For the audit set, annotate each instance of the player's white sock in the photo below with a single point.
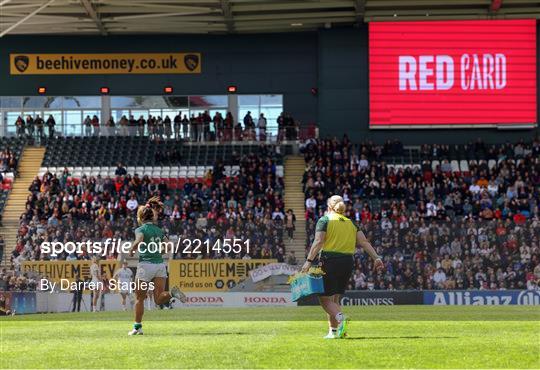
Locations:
(332, 331)
(340, 317)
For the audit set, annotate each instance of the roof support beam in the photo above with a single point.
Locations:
(24, 19)
(359, 9)
(4, 2)
(93, 14)
(227, 14)
(152, 15)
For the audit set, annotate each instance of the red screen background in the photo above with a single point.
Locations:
(513, 104)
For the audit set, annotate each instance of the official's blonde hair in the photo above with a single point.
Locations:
(335, 203)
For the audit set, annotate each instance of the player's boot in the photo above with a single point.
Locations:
(176, 293)
(342, 328)
(136, 332)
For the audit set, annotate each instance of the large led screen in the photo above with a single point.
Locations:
(444, 73)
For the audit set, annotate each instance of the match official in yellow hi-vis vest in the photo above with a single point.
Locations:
(336, 238)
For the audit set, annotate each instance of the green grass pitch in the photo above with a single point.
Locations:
(379, 337)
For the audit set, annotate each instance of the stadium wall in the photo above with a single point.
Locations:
(264, 64)
(435, 297)
(38, 302)
(335, 61)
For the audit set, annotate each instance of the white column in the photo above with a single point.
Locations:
(105, 113)
(233, 107)
(3, 123)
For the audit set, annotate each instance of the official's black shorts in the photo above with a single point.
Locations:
(338, 271)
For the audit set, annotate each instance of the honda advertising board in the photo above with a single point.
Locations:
(237, 299)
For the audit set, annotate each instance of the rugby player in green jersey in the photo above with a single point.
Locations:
(151, 270)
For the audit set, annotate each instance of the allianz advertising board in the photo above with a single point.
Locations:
(482, 297)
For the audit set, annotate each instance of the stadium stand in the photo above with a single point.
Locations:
(10, 152)
(10, 280)
(443, 217)
(28, 163)
(142, 151)
(5, 187)
(420, 205)
(206, 202)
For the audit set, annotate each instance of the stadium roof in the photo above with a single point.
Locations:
(110, 17)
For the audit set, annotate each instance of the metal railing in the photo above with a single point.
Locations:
(189, 133)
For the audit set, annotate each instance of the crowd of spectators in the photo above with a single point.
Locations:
(248, 206)
(197, 127)
(8, 166)
(33, 127)
(436, 229)
(8, 161)
(479, 150)
(10, 280)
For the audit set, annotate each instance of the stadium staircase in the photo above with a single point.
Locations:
(29, 165)
(294, 199)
